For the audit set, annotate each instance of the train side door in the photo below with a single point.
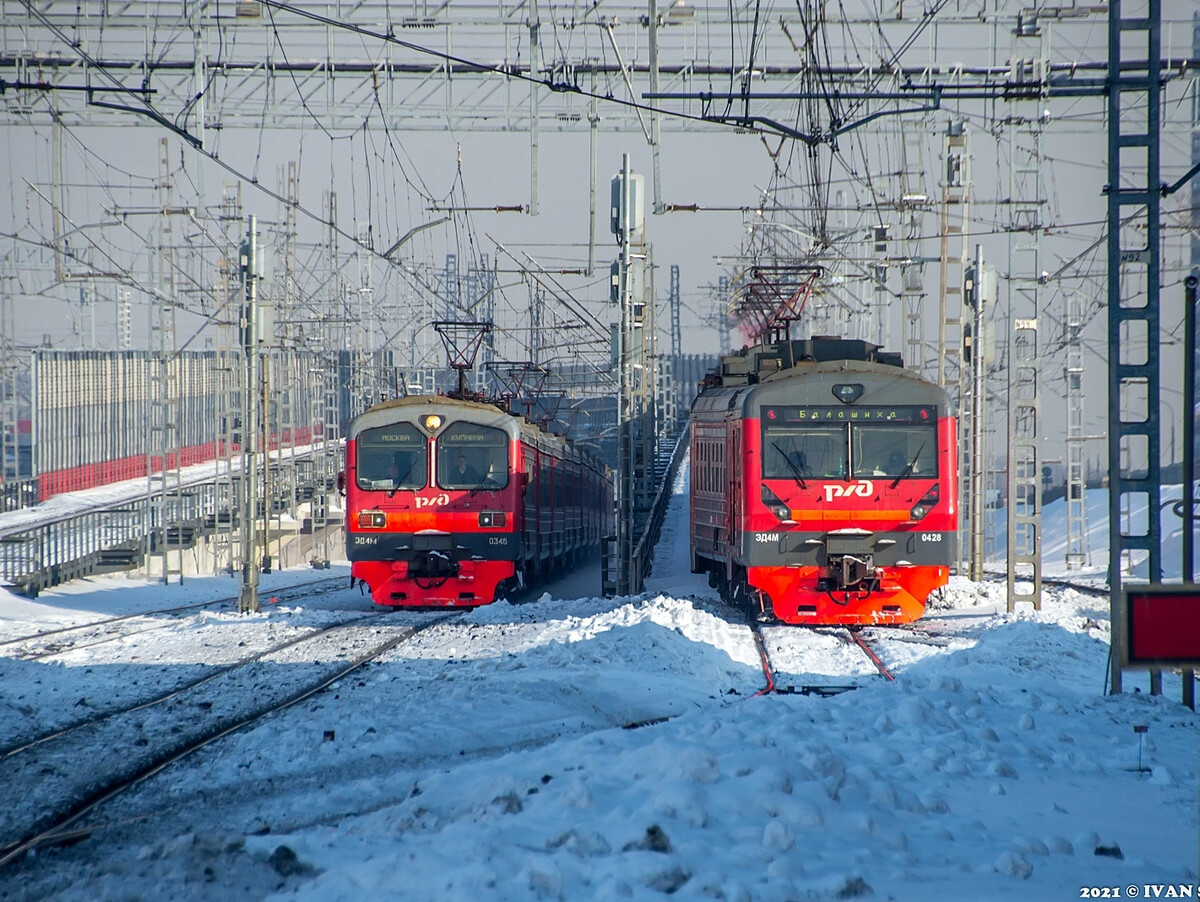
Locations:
(530, 500)
(554, 525)
(731, 478)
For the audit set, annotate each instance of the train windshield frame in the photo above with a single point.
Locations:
(483, 451)
(828, 442)
(392, 457)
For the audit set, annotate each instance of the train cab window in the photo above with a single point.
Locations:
(392, 457)
(906, 451)
(833, 442)
(793, 451)
(472, 457)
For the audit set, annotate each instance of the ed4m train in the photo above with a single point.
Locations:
(454, 502)
(823, 483)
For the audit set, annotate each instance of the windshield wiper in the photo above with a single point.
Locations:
(795, 469)
(399, 482)
(912, 463)
(484, 486)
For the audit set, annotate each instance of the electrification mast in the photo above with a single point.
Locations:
(636, 378)
(248, 597)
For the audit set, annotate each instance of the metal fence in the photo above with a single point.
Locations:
(667, 469)
(78, 535)
(94, 412)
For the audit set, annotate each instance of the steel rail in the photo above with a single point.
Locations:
(302, 588)
(182, 688)
(870, 653)
(58, 830)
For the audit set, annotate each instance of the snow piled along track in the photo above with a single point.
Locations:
(486, 759)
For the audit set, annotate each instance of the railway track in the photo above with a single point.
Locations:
(59, 733)
(920, 632)
(850, 636)
(69, 775)
(863, 639)
(54, 642)
(1082, 588)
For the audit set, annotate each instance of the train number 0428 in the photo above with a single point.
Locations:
(931, 537)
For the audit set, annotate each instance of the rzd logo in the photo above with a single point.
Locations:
(436, 501)
(864, 488)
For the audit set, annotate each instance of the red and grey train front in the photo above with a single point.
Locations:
(855, 515)
(430, 501)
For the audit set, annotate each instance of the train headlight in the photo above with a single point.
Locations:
(848, 392)
(493, 518)
(372, 519)
(775, 504)
(433, 422)
(926, 504)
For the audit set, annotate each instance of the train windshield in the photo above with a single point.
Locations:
(807, 452)
(899, 451)
(849, 443)
(392, 457)
(472, 457)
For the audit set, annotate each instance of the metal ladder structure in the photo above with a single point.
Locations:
(162, 487)
(124, 319)
(253, 434)
(914, 202)
(365, 378)
(1078, 553)
(10, 369)
(879, 305)
(1027, 92)
(637, 369)
(481, 281)
(1134, 273)
(288, 364)
(954, 254)
(327, 460)
(228, 374)
(955, 332)
(450, 288)
(724, 342)
(979, 292)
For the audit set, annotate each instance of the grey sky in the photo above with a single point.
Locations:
(387, 180)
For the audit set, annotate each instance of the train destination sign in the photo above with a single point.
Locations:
(402, 434)
(821, 413)
(1162, 626)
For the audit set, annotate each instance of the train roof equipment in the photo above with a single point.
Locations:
(752, 365)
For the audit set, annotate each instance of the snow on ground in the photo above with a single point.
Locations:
(590, 748)
(1054, 536)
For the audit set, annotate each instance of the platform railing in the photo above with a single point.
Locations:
(643, 551)
(115, 527)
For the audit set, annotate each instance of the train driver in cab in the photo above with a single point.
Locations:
(463, 473)
(798, 461)
(893, 466)
(402, 467)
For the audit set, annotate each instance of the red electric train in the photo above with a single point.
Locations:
(455, 502)
(823, 484)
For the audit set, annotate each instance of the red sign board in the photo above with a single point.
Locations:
(1162, 626)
